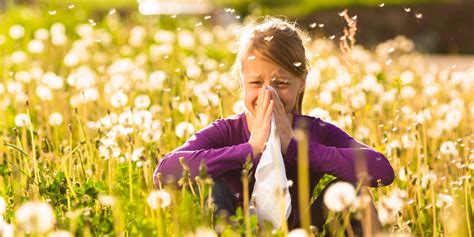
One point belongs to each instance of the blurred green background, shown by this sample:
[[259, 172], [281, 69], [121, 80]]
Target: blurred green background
[[436, 26]]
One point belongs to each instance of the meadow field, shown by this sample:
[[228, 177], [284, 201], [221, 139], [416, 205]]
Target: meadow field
[[89, 103]]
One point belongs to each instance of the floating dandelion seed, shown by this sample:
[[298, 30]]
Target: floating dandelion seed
[[297, 64], [91, 22], [112, 11], [419, 15], [321, 25], [332, 37], [207, 17], [381, 4], [268, 38], [343, 13], [71, 6], [174, 16], [388, 62], [237, 17], [407, 9], [313, 25], [251, 57], [52, 12], [198, 24], [354, 17], [342, 37]]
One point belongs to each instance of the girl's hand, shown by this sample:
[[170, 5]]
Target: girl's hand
[[261, 122], [283, 123]]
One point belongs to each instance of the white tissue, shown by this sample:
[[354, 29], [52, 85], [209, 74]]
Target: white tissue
[[271, 181]]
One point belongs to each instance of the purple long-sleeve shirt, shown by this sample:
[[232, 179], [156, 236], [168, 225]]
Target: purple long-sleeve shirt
[[224, 147]]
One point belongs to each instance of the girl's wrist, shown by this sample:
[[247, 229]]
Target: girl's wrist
[[255, 150]]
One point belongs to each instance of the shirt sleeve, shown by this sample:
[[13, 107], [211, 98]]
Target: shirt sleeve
[[339, 154], [209, 145]]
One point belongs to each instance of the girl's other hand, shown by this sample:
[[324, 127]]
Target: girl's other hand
[[261, 122]]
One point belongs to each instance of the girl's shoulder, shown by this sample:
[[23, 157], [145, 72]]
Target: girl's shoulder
[[230, 124], [307, 120], [316, 125]]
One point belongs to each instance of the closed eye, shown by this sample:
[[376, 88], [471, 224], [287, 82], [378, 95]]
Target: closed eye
[[256, 82]]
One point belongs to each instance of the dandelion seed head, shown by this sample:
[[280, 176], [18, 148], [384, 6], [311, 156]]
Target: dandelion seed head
[[158, 199], [112, 11], [448, 148], [35, 46], [119, 99], [106, 200], [17, 32], [185, 107], [339, 196], [184, 128], [18, 57], [35, 217], [298, 233], [142, 101], [60, 233], [3, 206], [22, 120], [55, 119]]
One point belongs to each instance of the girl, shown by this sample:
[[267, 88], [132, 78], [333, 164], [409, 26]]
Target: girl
[[271, 53]]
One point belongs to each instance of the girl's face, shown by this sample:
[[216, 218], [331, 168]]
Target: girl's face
[[258, 71]]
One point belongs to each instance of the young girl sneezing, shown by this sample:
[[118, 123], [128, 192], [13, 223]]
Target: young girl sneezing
[[272, 67]]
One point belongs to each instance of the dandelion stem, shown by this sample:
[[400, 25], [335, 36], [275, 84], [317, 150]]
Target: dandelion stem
[[130, 183], [245, 184], [303, 179]]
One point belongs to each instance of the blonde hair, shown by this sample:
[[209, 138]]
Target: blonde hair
[[280, 41]]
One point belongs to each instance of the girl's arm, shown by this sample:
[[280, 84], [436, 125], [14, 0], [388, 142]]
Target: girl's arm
[[209, 145], [339, 153]]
